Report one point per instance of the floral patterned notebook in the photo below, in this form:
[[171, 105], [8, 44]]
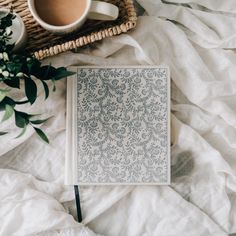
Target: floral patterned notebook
[[118, 122]]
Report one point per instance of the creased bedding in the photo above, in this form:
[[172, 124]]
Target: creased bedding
[[197, 39]]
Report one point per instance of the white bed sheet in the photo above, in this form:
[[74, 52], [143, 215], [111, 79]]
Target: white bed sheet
[[197, 39]]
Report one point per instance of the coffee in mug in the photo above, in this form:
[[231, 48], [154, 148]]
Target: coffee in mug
[[60, 12], [66, 16]]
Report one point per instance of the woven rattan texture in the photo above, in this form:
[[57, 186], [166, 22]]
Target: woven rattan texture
[[43, 44]]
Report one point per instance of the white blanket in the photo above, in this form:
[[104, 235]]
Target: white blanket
[[197, 39]]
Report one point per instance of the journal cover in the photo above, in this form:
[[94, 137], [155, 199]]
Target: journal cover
[[118, 122]]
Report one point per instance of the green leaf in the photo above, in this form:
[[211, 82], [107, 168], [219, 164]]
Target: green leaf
[[44, 72], [38, 122], [9, 110], [14, 83], [3, 93], [54, 86], [10, 47], [2, 106], [20, 120], [9, 101], [26, 115], [2, 133], [22, 132], [30, 90], [33, 66], [41, 134], [46, 89], [14, 66], [61, 73], [49, 69]]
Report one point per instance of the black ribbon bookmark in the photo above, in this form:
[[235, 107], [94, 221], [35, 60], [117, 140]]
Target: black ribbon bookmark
[[77, 200]]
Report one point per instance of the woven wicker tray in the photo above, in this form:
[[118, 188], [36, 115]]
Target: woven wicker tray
[[43, 44]]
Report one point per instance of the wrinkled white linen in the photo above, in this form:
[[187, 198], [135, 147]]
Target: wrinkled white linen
[[197, 41]]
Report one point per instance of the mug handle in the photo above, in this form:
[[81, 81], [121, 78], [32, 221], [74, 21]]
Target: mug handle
[[103, 11]]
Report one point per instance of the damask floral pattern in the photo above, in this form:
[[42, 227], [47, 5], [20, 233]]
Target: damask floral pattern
[[122, 116]]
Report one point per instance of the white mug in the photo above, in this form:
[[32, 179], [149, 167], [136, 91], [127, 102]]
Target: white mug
[[95, 10]]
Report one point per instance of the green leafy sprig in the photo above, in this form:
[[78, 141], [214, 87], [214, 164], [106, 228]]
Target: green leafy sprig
[[23, 69]]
